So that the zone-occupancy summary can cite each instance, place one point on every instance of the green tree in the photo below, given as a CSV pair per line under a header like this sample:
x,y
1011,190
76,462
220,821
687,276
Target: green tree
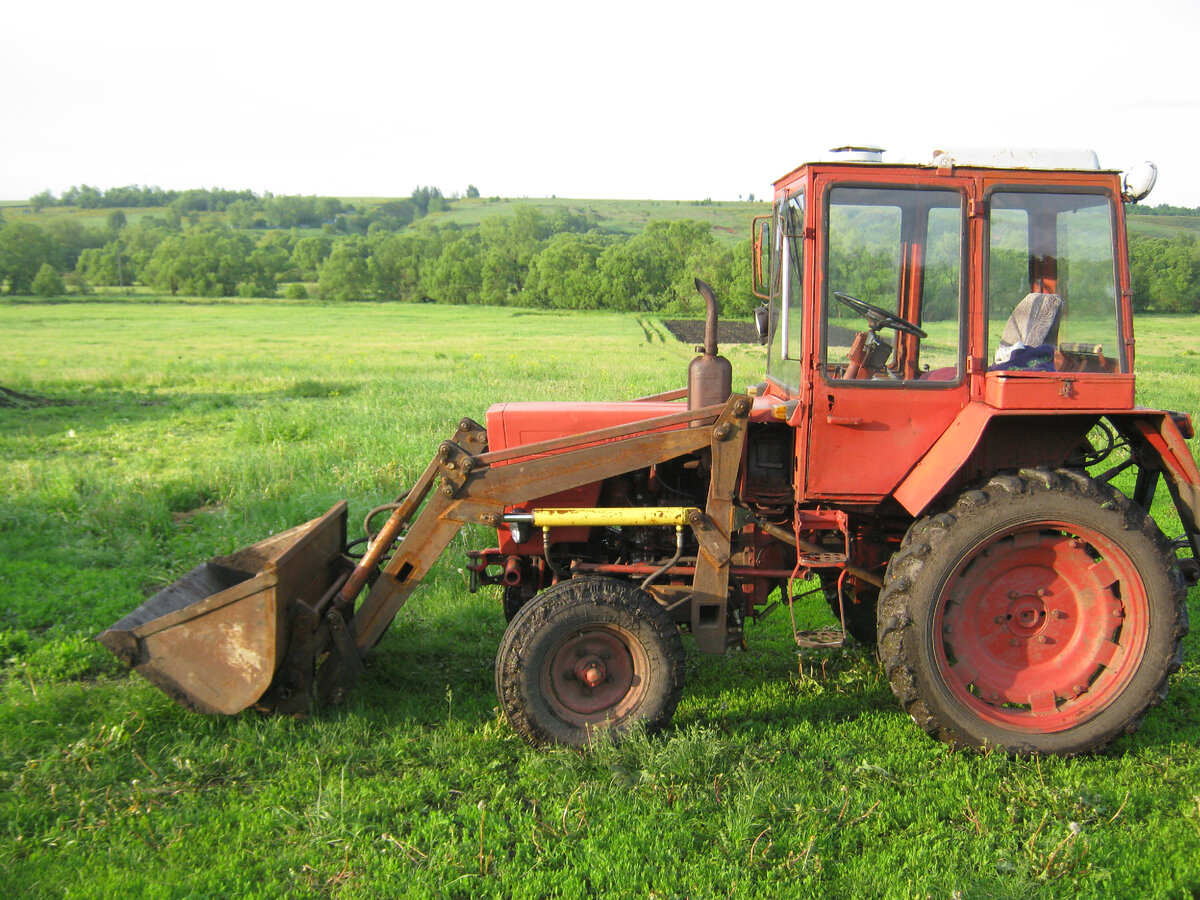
x,y
455,276
202,261
472,192
24,248
309,253
564,274
105,265
89,197
267,263
48,283
344,275
401,264
70,237
38,202
634,274
1165,274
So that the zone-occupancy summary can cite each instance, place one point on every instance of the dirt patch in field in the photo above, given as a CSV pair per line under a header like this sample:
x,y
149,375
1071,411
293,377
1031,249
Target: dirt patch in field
x,y
10,399
691,331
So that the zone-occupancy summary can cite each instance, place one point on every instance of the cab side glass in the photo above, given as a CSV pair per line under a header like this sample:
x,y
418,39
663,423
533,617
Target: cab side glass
x,y
1052,289
785,311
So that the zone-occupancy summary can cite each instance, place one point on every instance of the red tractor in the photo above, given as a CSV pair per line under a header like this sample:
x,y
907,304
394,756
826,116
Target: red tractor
x,y
949,396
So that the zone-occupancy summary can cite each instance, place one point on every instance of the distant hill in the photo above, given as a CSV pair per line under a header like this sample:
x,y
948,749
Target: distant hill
x,y
730,220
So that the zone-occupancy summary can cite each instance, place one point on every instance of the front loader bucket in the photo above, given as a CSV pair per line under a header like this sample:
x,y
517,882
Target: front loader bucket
x,y
215,639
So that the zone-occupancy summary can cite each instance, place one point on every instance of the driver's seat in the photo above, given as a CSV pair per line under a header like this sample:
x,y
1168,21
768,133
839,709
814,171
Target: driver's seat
x,y
1032,327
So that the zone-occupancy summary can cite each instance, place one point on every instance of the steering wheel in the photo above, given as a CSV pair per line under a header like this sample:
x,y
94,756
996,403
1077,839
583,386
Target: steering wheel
x,y
879,318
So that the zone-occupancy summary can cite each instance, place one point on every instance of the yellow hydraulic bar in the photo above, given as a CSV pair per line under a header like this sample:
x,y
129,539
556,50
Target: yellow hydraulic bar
x,y
597,516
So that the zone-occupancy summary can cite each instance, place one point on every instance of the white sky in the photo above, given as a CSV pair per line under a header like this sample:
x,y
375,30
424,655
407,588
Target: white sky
x,y
646,99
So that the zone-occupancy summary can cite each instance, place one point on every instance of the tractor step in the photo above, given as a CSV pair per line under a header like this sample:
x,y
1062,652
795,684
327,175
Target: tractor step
x,y
821,560
821,639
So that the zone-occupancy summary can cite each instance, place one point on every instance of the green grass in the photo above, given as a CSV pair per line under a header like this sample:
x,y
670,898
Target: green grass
x,y
185,431
1162,226
730,220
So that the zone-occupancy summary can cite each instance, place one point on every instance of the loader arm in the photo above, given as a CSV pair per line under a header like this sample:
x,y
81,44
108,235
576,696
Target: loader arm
x,y
475,488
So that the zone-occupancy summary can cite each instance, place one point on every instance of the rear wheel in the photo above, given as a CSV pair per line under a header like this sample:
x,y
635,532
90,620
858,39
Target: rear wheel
x,y
589,655
1041,614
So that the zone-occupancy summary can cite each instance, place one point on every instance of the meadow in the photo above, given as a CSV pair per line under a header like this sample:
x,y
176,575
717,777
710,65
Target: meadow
x,y
172,432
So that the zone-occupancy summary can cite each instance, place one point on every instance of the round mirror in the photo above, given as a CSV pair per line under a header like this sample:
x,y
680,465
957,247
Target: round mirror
x,y
1139,181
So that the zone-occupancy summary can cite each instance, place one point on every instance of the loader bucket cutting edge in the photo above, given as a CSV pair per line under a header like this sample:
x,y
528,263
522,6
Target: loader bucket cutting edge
x,y
214,640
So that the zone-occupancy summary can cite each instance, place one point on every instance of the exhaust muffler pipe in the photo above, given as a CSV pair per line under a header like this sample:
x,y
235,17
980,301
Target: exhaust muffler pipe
x,y
710,377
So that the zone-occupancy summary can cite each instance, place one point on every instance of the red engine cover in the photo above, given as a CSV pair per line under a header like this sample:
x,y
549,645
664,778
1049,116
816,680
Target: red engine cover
x,y
517,424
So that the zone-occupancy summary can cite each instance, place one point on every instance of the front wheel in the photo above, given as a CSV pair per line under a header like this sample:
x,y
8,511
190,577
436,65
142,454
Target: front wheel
x,y
1040,614
589,655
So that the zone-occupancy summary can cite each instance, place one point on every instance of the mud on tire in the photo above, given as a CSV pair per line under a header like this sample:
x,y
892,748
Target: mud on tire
x,y
589,655
1041,613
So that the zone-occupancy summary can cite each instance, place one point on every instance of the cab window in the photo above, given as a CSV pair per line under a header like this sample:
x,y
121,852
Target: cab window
x,y
1052,284
894,286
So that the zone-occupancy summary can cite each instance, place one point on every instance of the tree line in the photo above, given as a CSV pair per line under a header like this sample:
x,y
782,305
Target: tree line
x,y
1165,209
562,260
246,209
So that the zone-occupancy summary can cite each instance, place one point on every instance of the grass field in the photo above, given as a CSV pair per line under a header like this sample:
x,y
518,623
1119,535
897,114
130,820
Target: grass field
x,y
182,431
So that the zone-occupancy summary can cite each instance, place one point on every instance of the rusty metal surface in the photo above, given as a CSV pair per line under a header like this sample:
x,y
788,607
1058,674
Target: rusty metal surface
x,y
710,599
214,640
677,394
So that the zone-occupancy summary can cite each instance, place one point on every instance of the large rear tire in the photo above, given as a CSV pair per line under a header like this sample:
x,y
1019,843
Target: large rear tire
x,y
1040,614
585,656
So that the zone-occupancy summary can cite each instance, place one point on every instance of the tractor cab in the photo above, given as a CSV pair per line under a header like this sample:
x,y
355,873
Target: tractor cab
x,y
897,295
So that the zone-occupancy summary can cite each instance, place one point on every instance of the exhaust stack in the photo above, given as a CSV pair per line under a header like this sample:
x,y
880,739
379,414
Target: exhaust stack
x,y
710,377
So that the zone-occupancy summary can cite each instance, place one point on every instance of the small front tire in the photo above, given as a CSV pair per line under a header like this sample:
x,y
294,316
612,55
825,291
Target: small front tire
x,y
586,656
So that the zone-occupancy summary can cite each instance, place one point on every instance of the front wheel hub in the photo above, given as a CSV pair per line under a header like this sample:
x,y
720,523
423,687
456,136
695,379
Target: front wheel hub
x,y
592,674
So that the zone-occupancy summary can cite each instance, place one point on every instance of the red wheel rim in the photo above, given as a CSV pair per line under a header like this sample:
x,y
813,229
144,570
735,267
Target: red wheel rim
x,y
1040,629
594,675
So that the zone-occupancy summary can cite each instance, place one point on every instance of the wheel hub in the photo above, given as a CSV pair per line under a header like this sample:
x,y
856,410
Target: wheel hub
x,y
591,671
1032,627
1026,616
590,675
